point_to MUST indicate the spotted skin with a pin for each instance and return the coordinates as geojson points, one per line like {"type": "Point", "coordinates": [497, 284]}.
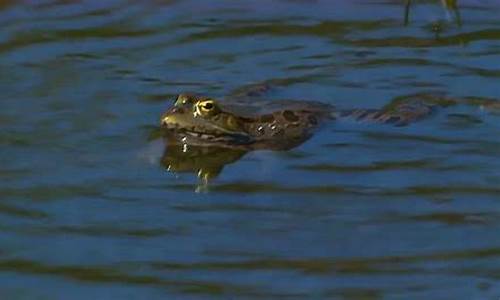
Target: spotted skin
{"type": "Point", "coordinates": [283, 124]}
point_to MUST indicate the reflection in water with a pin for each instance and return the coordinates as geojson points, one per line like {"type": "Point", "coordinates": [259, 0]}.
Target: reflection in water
{"type": "Point", "coordinates": [206, 162]}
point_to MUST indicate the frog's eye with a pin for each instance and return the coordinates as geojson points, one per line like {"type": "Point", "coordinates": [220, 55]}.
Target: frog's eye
{"type": "Point", "coordinates": [207, 105]}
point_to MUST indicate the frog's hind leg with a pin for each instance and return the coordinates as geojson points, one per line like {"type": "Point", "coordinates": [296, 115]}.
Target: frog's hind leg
{"type": "Point", "coordinates": [412, 108]}
{"type": "Point", "coordinates": [402, 110]}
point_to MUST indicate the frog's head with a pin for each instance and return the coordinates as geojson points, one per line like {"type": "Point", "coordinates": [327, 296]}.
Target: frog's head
{"type": "Point", "coordinates": [203, 118]}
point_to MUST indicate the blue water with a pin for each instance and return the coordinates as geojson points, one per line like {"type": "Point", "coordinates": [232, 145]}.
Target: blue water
{"type": "Point", "coordinates": [360, 211]}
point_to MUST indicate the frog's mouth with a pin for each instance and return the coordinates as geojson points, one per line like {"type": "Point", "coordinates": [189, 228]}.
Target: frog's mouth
{"type": "Point", "coordinates": [194, 133]}
{"type": "Point", "coordinates": [213, 137]}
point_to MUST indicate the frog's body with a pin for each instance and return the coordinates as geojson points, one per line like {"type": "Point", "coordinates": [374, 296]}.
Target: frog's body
{"type": "Point", "coordinates": [242, 123]}
{"type": "Point", "coordinates": [256, 124]}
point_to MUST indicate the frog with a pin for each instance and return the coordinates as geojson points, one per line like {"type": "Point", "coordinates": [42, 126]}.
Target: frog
{"type": "Point", "coordinates": [204, 134]}
{"type": "Point", "coordinates": [253, 124]}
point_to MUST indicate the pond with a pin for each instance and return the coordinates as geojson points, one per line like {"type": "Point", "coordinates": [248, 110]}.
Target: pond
{"type": "Point", "coordinates": [93, 204]}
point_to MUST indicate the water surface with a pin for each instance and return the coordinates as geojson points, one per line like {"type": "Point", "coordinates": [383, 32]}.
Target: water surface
{"type": "Point", "coordinates": [360, 211]}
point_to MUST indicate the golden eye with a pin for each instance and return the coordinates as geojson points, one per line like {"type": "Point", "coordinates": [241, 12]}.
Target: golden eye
{"type": "Point", "coordinates": [205, 108]}
{"type": "Point", "coordinates": [207, 105]}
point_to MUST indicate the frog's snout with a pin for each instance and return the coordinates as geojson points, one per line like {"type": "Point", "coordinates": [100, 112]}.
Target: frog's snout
{"type": "Point", "coordinates": [168, 118]}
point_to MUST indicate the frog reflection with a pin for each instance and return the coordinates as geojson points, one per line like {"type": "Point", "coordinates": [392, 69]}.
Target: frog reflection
{"type": "Point", "coordinates": [207, 162]}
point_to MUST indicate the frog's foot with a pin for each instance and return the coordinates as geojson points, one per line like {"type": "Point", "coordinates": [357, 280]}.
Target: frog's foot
{"type": "Point", "coordinates": [402, 110]}
{"type": "Point", "coordinates": [405, 113]}
{"type": "Point", "coordinates": [409, 109]}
